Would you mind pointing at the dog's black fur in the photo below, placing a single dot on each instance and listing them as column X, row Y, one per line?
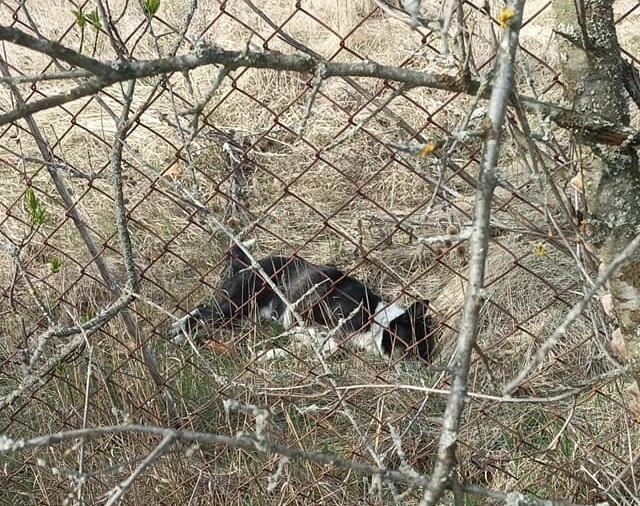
column 326, row 297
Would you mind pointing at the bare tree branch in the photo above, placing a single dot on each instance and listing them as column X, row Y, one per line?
column 35, row 375
column 109, row 280
column 565, row 392
column 479, row 245
column 592, row 128
column 51, row 76
column 116, row 182
column 53, row 49
column 157, row 452
column 262, row 445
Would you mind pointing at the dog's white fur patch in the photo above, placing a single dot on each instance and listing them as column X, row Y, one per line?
column 369, row 340
column 301, row 338
column 384, row 315
column 179, row 329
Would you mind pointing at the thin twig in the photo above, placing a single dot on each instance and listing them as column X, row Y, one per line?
column 51, row 76
column 85, row 410
column 14, row 253
column 553, row 397
column 384, row 105
column 121, row 489
column 317, row 83
column 8, row 445
column 199, row 107
column 35, row 375
column 463, row 235
column 479, row 242
column 620, row 260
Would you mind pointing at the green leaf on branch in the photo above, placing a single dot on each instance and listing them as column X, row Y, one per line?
column 35, row 207
column 94, row 18
column 151, row 7
column 81, row 19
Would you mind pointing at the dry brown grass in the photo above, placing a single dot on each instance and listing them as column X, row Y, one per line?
column 314, row 202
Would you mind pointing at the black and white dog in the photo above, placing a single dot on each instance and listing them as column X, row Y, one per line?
column 347, row 311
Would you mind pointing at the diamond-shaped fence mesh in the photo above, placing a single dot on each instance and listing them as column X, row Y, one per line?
column 322, row 169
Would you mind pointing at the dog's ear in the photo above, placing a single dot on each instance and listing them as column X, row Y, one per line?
column 239, row 259
column 423, row 329
column 418, row 308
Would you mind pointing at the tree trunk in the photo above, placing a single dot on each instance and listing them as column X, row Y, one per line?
column 593, row 79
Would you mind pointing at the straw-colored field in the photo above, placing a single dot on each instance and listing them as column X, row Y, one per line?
column 331, row 195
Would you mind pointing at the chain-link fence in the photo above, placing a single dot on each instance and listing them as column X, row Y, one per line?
column 362, row 173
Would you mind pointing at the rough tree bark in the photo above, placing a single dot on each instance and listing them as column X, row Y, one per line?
column 593, row 78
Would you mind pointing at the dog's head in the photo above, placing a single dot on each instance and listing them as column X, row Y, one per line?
column 412, row 329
